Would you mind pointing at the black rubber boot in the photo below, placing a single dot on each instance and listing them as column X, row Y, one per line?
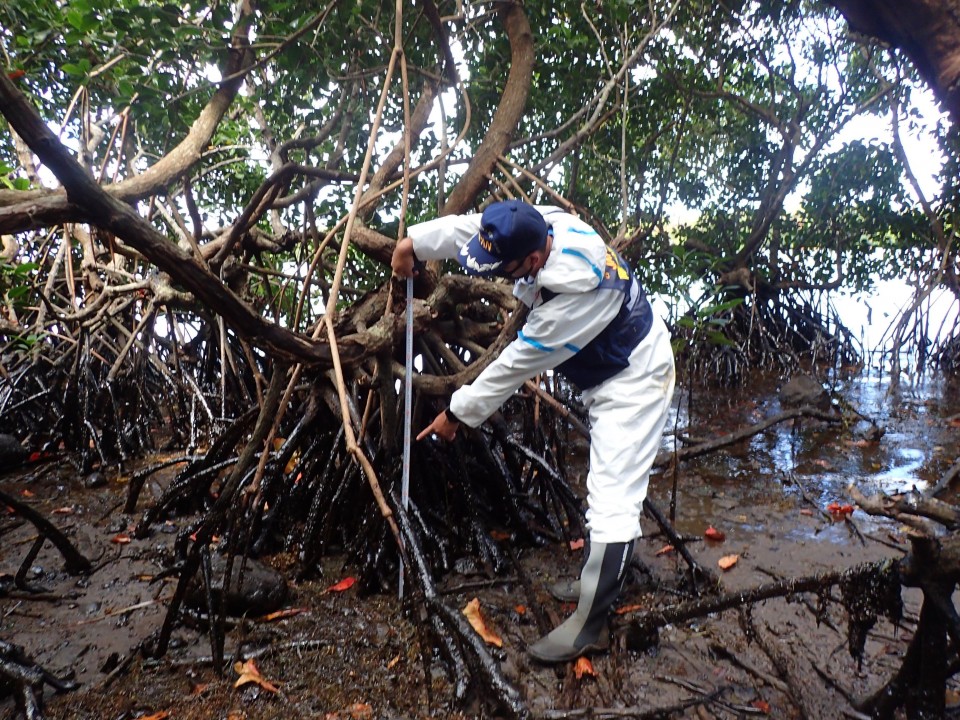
column 585, row 631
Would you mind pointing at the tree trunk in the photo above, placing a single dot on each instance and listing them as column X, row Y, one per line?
column 928, row 31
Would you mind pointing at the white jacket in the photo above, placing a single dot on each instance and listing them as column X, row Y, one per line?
column 554, row 330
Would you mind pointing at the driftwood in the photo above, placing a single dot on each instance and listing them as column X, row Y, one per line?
column 709, row 446
column 643, row 629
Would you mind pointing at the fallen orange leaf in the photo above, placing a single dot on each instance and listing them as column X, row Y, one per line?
column 583, row 667
column 249, row 673
column 521, row 609
column 26, row 493
column 576, row 544
column 954, row 422
column 120, row 539
column 711, row 533
column 665, row 549
column 360, row 711
column 499, row 535
column 762, row 705
column 156, row 716
column 728, row 561
column 280, row 614
column 473, row 615
column 393, row 663
column 807, row 512
column 65, row 510
column 838, row 511
column 627, row 609
column 16, row 74
column 344, row 584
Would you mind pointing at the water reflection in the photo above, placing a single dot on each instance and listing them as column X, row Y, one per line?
column 807, row 464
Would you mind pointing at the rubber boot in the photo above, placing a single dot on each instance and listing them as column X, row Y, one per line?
column 585, row 631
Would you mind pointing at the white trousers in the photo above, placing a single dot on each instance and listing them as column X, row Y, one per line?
column 627, row 416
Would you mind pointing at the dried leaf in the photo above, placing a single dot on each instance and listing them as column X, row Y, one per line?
column 762, row 705
column 728, row 561
column 807, row 511
column 360, row 711
column 576, row 544
column 520, row 609
column 200, row 688
column 249, row 673
column 120, row 539
column 473, row 615
column 838, row 511
column 628, row 609
column 26, row 493
column 711, row 533
column 583, row 667
column 65, row 510
column 344, row 584
column 393, row 662
column 280, row 614
column 156, row 716
column 664, row 550
column 499, row 535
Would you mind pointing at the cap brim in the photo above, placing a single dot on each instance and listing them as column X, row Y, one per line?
column 477, row 261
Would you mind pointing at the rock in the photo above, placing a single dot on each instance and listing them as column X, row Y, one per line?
column 263, row 589
column 803, row 390
column 12, row 453
column 94, row 480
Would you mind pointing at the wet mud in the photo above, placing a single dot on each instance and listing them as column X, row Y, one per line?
column 337, row 653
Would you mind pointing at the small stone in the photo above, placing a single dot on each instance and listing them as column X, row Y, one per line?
column 262, row 590
column 12, row 453
column 94, row 480
column 803, row 390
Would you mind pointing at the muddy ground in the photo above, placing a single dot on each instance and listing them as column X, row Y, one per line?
column 343, row 655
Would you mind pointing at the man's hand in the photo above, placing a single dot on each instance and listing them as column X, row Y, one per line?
column 442, row 426
column 404, row 261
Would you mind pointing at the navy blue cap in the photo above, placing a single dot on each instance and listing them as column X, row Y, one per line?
column 509, row 230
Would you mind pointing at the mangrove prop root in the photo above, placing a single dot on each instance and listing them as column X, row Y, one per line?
column 697, row 571
column 28, row 679
column 138, row 479
column 477, row 657
column 919, row 683
column 75, row 562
